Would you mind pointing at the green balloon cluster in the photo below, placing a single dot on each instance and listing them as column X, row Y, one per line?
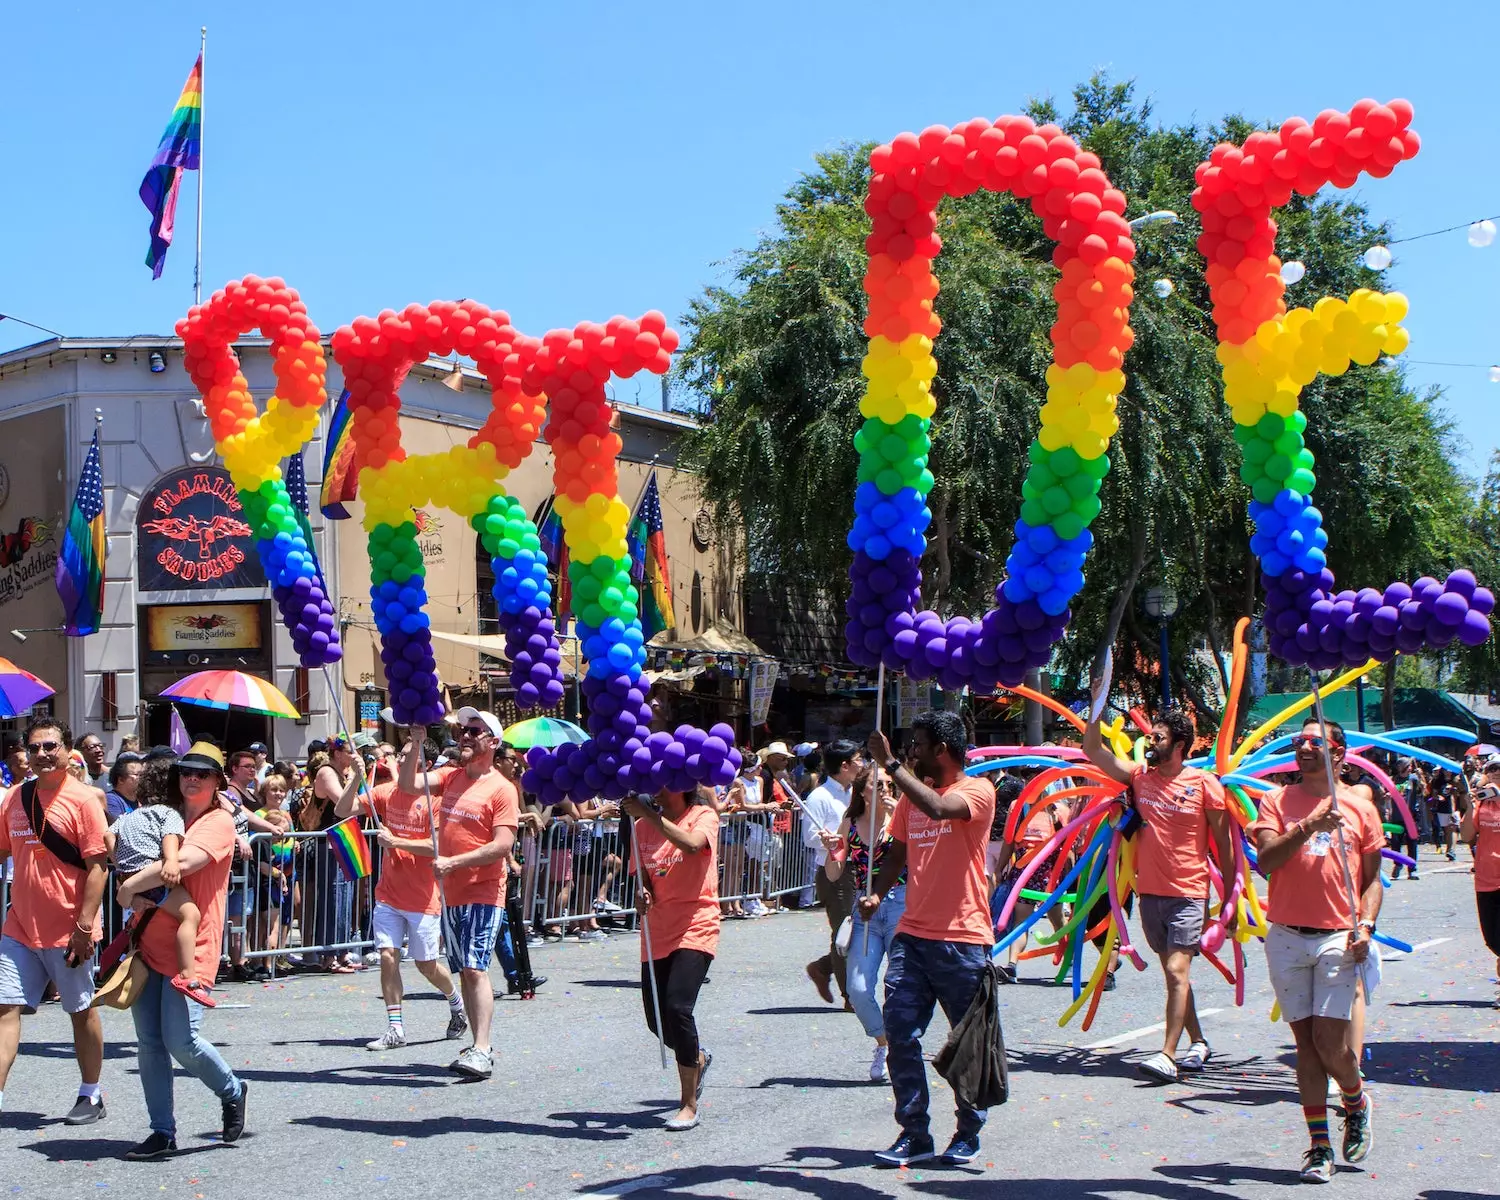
column 602, row 591
column 893, row 457
column 1061, row 489
column 1275, row 458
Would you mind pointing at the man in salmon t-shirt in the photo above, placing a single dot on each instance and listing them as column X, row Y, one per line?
column 407, row 907
column 1315, row 852
column 942, row 945
column 53, row 921
column 1180, row 808
column 1481, row 829
column 477, row 821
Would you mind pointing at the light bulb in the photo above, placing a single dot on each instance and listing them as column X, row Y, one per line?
column 1495, row 374
column 1292, row 272
column 1163, row 288
column 1481, row 233
column 1377, row 258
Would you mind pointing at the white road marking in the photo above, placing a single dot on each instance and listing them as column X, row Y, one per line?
column 1135, row 1035
column 635, row 1185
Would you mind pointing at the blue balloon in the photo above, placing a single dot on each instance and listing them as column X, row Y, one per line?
column 1054, row 602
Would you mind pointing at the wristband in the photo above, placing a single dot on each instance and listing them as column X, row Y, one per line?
column 1370, row 925
column 893, row 766
column 83, row 928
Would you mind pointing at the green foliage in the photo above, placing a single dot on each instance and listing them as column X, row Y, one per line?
column 776, row 358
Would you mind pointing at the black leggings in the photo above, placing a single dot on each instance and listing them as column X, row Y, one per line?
column 678, row 978
column 1489, row 919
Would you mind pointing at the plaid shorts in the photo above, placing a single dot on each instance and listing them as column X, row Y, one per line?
column 469, row 933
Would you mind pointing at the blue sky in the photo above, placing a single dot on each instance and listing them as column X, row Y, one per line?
column 570, row 162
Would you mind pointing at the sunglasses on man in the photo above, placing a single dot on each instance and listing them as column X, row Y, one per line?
column 1309, row 741
column 475, row 731
column 43, row 747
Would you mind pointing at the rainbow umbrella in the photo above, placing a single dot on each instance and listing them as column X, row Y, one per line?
column 231, row 689
column 544, row 731
column 19, row 689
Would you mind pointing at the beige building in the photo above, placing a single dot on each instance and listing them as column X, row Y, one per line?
column 184, row 590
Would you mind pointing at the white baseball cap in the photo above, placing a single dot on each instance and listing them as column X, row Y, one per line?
column 488, row 719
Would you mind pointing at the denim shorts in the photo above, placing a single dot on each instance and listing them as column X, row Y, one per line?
column 473, row 928
column 24, row 973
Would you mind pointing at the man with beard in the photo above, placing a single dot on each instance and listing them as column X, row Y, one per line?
column 1180, row 807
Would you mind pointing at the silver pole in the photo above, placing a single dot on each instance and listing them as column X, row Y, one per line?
column 873, row 800
column 202, row 90
column 1333, row 795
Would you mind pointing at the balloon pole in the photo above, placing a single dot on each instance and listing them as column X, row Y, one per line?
column 873, row 801
column 432, row 829
column 640, row 882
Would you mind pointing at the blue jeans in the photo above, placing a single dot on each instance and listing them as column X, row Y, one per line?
column 864, row 962
column 505, row 950
column 919, row 974
column 166, row 1028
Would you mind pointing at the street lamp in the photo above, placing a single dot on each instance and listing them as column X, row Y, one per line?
column 1162, row 216
column 1161, row 605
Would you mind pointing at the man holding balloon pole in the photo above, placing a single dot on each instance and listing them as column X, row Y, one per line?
column 941, row 950
column 1322, row 854
column 1180, row 808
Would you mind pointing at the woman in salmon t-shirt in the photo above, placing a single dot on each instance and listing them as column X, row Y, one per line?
column 166, row 1021
column 678, row 899
column 1481, row 829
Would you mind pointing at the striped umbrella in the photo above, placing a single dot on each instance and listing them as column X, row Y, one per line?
column 544, row 731
column 231, row 689
column 19, row 689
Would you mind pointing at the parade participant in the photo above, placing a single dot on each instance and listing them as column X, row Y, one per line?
column 124, row 786
column 941, row 949
column 166, row 1021
column 91, row 746
column 1180, row 808
column 678, row 900
column 824, row 807
column 1481, row 830
column 1315, row 851
column 477, row 821
column 407, row 908
column 54, row 830
column 848, row 853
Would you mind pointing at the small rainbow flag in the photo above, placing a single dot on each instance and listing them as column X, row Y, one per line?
column 347, row 842
column 340, row 479
column 181, row 149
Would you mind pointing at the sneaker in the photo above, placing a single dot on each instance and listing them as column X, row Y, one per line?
column 877, row 1066
column 1196, row 1057
column 85, row 1111
column 372, row 958
column 1414, row 877
column 458, row 1025
column 604, row 908
column 593, row 935
column 1452, row 857
column 905, row 1150
column 1005, row 973
column 1109, row 984
column 234, row 1114
column 1159, row 1067
column 158, row 1145
column 1317, row 1165
column 393, row 1038
column 755, row 908
column 821, row 978
column 964, row 1148
column 533, row 941
column 1359, row 1132
column 474, row 1063
column 679, row 1125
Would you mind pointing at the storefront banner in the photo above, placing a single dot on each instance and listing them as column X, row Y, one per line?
column 198, row 627
column 762, row 682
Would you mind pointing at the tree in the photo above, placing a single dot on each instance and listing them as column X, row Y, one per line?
column 776, row 359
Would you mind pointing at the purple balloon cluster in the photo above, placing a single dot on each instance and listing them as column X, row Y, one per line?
column 412, row 672
column 885, row 626
column 308, row 614
column 1310, row 624
column 536, row 660
column 622, row 755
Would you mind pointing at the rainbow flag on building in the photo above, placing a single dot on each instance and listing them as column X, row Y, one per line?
column 346, row 841
column 80, row 562
column 555, row 547
column 181, row 149
column 340, row 479
column 648, row 563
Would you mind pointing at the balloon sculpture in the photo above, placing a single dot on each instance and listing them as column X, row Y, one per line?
column 569, row 368
column 253, row 445
column 1085, row 216
column 1269, row 355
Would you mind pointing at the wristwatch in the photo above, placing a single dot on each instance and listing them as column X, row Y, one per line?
column 893, row 766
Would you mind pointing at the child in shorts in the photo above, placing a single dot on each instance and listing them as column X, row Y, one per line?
column 149, row 834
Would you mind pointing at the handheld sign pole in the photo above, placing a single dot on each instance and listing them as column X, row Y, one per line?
column 873, row 800
column 640, row 882
column 1333, row 796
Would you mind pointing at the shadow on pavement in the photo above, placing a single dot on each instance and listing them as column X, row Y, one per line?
column 649, row 1117
column 633, row 985
column 1455, row 1065
column 1229, row 1174
column 437, row 1126
column 798, row 1010
column 1047, row 1059
column 808, row 1081
column 413, row 1075
column 89, row 1150
column 1443, row 1004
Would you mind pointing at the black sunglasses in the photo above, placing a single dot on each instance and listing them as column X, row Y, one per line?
column 44, row 747
column 475, row 731
column 195, row 773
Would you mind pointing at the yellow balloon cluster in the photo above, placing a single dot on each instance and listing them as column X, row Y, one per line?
column 1267, row 373
column 900, row 375
column 1080, row 409
column 461, row 479
column 596, row 528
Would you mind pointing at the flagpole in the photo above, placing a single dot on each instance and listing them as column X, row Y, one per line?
column 198, row 261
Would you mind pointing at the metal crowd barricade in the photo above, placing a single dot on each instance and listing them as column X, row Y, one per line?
column 576, row 873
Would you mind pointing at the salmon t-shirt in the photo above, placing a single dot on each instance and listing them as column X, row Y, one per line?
column 1171, row 849
column 1039, row 826
column 213, row 833
column 45, row 893
column 947, row 894
column 406, row 880
column 471, row 811
column 1308, row 889
column 684, row 887
column 1487, row 846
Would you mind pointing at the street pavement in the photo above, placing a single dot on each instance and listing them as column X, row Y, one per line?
column 576, row 1105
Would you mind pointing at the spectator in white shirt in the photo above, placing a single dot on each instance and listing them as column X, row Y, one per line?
column 824, row 807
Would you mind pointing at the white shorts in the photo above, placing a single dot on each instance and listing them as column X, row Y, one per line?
column 1313, row 974
column 422, row 932
column 24, row 973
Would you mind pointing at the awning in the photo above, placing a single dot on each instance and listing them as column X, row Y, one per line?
column 493, row 644
column 713, row 640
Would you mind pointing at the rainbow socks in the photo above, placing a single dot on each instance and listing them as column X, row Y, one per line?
column 1317, row 1123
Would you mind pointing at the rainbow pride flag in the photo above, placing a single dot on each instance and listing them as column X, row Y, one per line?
column 340, row 479
column 347, row 842
column 181, row 149
column 80, row 563
column 649, row 569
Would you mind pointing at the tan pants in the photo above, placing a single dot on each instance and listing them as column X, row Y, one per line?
column 837, row 898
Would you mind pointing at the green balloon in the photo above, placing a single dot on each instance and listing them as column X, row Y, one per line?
column 1278, row 466
column 894, row 449
column 1079, row 486
column 1034, row 514
column 587, row 588
column 1038, row 453
column 1056, row 500
column 1041, row 476
column 1097, row 467
column 889, row 481
column 1289, row 443
column 1245, row 434
column 1297, row 421
column 1065, row 462
column 1302, row 480
column 1303, row 460
column 1250, row 472
column 1257, row 451
column 1270, row 426
column 594, row 615
column 610, row 600
column 1265, row 490
column 1068, row 526
column 924, row 484
column 507, row 548
column 1030, row 491
column 1087, row 507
